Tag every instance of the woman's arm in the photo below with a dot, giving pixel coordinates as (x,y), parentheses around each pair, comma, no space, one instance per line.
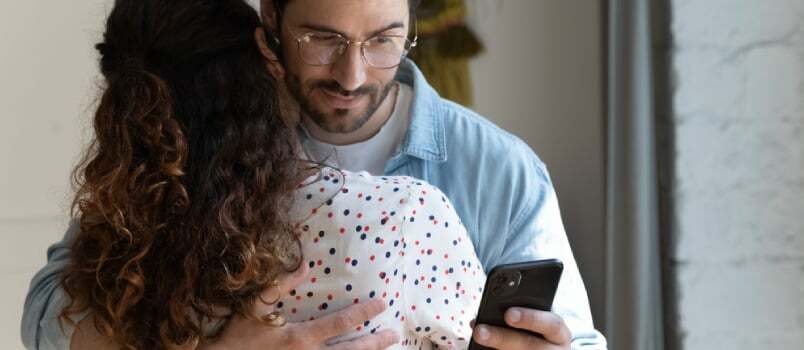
(444,279)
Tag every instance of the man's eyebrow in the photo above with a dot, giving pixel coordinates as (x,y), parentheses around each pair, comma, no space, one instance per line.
(323,28)
(387,28)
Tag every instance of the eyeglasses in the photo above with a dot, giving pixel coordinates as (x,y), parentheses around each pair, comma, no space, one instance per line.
(381,51)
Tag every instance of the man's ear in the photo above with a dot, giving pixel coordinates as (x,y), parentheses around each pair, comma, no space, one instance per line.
(274,66)
(268,14)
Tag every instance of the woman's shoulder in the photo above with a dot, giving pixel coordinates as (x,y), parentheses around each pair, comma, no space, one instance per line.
(345,181)
(345,190)
(402,189)
(393,184)
(415,200)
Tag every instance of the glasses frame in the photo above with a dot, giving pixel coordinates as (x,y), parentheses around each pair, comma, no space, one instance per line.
(349,42)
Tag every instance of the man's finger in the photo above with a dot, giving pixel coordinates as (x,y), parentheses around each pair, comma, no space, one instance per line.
(345,320)
(377,341)
(550,325)
(508,339)
(269,296)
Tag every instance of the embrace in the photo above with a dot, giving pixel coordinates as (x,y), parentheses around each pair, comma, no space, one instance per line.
(280,176)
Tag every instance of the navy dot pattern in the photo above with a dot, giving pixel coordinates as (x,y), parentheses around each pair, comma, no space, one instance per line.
(393,238)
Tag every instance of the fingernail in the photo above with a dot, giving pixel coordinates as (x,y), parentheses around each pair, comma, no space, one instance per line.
(483,333)
(515,315)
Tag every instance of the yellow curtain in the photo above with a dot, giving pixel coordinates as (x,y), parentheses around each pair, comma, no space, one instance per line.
(445,46)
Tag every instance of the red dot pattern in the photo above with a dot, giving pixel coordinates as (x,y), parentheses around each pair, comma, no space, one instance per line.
(410,250)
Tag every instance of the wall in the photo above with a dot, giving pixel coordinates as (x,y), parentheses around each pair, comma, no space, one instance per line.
(47,67)
(541,79)
(739,135)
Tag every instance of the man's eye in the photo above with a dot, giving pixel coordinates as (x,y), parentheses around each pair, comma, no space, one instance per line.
(385,40)
(325,39)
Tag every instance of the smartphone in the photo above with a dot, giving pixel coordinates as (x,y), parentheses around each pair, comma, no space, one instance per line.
(529,284)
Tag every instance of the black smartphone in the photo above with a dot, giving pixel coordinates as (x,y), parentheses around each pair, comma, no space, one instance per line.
(529,284)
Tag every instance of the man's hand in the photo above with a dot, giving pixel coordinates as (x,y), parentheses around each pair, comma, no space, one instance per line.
(549,325)
(246,334)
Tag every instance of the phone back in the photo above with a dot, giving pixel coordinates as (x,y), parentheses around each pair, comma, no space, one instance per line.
(529,284)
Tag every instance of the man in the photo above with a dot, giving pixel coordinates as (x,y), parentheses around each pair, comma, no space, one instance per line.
(365,107)
(364,113)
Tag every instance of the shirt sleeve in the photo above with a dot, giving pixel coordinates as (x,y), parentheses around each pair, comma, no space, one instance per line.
(46,299)
(538,233)
(443,278)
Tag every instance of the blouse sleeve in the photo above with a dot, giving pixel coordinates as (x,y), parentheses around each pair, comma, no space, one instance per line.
(443,280)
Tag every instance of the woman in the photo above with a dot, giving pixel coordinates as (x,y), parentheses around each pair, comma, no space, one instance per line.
(192,200)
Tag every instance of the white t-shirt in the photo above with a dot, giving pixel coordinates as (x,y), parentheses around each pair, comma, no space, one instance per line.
(370,155)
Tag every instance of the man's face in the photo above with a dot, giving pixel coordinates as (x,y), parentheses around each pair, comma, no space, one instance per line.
(342,96)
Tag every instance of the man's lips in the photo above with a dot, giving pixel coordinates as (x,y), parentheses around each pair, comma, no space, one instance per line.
(340,101)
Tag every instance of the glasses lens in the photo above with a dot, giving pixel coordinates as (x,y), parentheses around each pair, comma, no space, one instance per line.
(386,51)
(321,49)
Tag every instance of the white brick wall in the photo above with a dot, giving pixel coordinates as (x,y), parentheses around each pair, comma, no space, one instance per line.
(738,67)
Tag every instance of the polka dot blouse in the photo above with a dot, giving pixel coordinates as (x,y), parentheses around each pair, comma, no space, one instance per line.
(392,238)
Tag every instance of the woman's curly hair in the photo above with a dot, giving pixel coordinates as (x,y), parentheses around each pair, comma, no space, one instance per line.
(183,195)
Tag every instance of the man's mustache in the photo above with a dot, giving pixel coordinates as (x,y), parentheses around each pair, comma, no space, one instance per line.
(335,88)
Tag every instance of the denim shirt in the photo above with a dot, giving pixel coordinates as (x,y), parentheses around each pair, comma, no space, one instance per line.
(498,185)
(501,191)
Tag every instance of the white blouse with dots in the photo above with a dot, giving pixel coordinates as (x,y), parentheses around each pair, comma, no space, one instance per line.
(393,238)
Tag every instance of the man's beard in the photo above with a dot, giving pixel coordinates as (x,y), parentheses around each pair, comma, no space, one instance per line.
(334,123)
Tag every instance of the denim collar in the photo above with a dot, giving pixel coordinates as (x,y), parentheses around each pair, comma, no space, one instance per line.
(426,136)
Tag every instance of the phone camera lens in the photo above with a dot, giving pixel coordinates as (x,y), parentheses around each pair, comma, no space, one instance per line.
(498,284)
(505,283)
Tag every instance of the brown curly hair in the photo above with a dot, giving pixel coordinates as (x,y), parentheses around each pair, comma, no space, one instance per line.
(183,195)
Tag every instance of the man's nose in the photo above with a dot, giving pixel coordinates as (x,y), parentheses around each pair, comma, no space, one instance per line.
(350,69)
